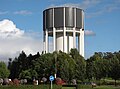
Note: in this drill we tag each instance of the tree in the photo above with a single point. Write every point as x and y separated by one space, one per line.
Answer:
44 65
18 65
65 66
28 74
89 69
23 64
80 64
117 54
98 69
115 68
9 63
97 66
4 72
25 74
14 70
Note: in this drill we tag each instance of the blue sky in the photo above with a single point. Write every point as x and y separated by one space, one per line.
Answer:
21 25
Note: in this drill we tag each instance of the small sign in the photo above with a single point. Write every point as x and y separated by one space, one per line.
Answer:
51 78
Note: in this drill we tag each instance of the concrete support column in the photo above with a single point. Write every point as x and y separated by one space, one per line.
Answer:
74 33
46 41
79 43
74 38
54 39
82 36
64 32
83 54
82 42
54 34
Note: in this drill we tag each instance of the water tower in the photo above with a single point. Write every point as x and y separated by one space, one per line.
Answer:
66 27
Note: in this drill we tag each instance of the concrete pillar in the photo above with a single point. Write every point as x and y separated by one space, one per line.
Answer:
46 41
54 39
54 34
74 38
79 43
74 33
64 32
82 42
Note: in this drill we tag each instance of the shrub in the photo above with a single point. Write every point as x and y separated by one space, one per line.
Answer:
6 81
16 82
1 81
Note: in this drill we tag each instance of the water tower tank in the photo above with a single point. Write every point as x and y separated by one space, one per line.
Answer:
64 25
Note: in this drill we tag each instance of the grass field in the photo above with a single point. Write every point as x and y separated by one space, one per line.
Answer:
98 87
56 87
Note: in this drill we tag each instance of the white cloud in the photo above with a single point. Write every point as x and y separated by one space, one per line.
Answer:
85 4
107 8
9 29
89 3
94 14
13 40
70 5
115 5
89 33
23 12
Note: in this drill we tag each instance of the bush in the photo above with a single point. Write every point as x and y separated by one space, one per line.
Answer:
6 81
1 81
59 81
16 82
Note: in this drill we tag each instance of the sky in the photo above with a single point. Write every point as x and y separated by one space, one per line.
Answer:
21 25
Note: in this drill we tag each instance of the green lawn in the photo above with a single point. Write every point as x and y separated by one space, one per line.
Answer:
30 87
98 87
56 87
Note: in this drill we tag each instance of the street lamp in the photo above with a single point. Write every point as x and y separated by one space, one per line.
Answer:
55 65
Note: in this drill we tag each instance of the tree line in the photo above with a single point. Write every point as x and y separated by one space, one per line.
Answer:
66 66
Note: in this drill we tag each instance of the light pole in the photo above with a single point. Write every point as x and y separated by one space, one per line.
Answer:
55 65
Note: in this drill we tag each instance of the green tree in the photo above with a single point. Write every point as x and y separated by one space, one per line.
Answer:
65 66
10 63
117 55
28 74
14 70
44 65
115 68
25 74
18 65
4 72
80 64
97 66
98 69
114 64
89 69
